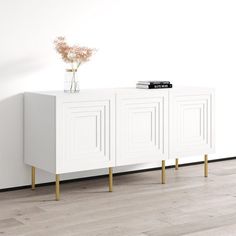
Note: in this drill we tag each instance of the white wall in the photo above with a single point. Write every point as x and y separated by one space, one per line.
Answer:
187 42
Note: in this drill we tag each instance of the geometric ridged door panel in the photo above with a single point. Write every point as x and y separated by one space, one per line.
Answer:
86 135
191 123
142 128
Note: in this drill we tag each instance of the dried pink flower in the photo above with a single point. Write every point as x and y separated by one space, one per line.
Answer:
72 54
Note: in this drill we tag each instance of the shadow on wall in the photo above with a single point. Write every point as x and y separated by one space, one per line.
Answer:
11 142
16 75
21 66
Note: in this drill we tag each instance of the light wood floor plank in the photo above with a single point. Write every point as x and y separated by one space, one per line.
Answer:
188 204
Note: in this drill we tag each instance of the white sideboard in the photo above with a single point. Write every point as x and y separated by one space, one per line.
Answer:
105 128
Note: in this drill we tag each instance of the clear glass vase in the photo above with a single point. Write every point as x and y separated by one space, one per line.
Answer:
71 83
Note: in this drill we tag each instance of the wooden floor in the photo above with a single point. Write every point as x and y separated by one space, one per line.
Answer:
188 204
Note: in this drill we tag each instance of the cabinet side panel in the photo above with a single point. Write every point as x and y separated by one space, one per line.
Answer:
39 131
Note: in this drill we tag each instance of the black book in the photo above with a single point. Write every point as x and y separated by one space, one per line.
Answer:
153 86
152 82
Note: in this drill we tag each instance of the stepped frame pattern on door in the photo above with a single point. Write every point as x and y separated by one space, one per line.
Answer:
192 123
86 134
142 128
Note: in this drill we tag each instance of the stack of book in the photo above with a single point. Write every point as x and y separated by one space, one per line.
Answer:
153 84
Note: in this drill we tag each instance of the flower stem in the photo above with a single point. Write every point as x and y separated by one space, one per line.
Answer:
72 80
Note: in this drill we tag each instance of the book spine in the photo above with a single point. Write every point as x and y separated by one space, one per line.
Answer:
153 82
154 86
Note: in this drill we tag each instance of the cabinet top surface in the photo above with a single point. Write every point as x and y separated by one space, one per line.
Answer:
118 91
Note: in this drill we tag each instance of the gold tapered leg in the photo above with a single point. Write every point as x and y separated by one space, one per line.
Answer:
176 163
163 173
57 187
33 178
205 165
110 179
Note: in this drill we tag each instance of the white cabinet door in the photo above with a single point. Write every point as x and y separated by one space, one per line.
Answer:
142 127
191 122
85 133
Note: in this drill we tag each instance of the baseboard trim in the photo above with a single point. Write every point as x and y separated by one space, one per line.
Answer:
116 174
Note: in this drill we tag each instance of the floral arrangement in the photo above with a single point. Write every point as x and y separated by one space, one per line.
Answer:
75 55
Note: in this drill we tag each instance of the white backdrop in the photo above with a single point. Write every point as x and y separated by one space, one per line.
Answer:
189 42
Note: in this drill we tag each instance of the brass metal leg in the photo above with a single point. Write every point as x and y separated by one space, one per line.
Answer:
205 165
163 173
110 179
33 178
57 187
176 163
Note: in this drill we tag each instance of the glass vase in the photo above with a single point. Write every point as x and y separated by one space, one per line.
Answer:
71 83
